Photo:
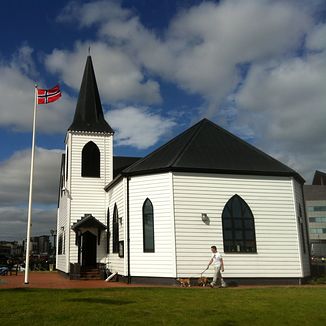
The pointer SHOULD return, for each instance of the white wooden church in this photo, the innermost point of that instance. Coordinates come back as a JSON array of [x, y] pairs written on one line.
[[154, 219]]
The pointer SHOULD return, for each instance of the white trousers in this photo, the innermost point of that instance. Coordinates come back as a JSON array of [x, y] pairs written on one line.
[[217, 275]]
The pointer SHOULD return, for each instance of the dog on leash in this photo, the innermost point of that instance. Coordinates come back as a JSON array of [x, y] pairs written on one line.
[[203, 281], [184, 282]]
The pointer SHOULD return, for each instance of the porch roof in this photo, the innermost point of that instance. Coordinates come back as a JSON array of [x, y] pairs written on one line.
[[88, 220]]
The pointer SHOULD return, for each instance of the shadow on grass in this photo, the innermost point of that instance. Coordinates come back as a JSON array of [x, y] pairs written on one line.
[[16, 290], [101, 301]]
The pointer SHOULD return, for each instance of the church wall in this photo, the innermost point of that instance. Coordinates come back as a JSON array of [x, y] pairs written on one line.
[[62, 225], [86, 193], [161, 263], [271, 202], [116, 195]]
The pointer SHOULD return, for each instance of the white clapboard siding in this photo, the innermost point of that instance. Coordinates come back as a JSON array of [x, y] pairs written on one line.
[[62, 262], [87, 195], [303, 238], [116, 195], [271, 202], [161, 263]]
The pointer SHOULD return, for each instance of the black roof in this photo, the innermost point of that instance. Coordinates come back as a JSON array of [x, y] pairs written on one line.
[[122, 162], [89, 114], [88, 220], [319, 178], [206, 147]]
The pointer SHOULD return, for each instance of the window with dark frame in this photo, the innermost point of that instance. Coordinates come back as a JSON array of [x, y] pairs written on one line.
[[90, 161], [60, 244], [63, 242], [121, 249], [302, 229], [108, 231], [67, 161], [148, 226], [238, 222], [115, 231], [316, 208], [61, 184]]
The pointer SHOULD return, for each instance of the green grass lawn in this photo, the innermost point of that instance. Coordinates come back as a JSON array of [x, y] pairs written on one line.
[[164, 306]]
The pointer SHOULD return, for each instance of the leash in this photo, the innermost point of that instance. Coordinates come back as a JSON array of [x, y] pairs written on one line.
[[201, 274]]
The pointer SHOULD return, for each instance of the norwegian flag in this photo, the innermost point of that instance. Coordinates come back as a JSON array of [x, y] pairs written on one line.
[[45, 96]]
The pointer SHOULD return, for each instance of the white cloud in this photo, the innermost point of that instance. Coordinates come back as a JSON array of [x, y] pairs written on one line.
[[23, 60], [203, 45], [143, 45], [14, 176], [316, 40], [138, 127], [14, 222], [118, 77], [93, 12], [14, 190], [210, 40], [289, 99], [17, 98], [233, 33], [292, 91]]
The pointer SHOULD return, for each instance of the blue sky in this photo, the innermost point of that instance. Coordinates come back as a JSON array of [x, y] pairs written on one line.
[[255, 67]]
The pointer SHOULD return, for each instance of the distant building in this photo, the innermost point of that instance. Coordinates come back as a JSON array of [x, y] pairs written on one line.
[[40, 245], [315, 197], [44, 244], [10, 248], [5, 248]]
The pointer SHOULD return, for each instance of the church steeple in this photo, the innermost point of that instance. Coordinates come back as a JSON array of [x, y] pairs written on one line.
[[89, 114]]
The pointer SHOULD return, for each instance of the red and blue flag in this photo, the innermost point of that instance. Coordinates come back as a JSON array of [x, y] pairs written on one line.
[[45, 96]]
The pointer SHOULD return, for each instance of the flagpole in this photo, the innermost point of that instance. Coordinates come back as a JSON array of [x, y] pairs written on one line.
[[29, 218]]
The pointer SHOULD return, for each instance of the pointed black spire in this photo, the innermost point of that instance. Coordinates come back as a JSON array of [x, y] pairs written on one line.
[[89, 114]]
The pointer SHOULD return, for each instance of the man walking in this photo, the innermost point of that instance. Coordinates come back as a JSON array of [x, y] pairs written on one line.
[[218, 264]]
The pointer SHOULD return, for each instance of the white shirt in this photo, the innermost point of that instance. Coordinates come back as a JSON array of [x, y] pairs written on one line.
[[217, 259]]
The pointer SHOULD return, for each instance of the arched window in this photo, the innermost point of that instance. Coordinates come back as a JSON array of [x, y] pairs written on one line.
[[90, 161], [108, 231], [148, 226], [115, 231], [238, 227]]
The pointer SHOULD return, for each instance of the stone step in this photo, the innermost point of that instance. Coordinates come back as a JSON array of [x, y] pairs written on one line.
[[93, 274], [88, 277]]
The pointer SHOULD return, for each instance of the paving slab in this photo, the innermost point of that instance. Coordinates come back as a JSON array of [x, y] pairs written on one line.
[[53, 280]]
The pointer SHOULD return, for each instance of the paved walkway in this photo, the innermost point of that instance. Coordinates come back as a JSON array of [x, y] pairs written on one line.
[[53, 280]]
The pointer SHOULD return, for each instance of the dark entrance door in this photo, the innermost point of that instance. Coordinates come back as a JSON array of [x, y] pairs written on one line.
[[89, 245]]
